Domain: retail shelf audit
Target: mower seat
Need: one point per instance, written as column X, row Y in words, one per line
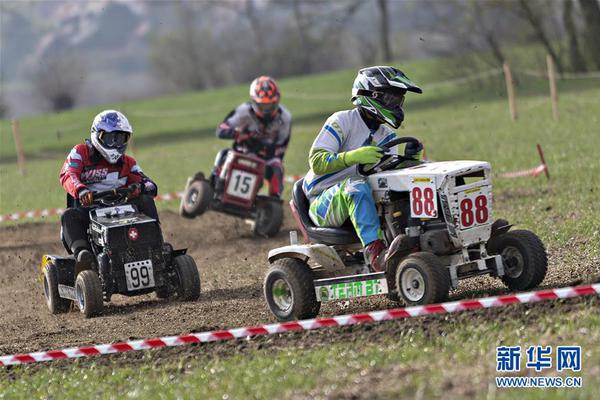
column 330, row 236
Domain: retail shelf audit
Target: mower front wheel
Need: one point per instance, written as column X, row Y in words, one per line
column 88, row 291
column 196, row 199
column 188, row 278
column 421, row 278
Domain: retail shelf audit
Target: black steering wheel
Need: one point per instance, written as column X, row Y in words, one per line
column 115, row 196
column 388, row 161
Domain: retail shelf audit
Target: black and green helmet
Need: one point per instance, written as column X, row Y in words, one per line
column 380, row 92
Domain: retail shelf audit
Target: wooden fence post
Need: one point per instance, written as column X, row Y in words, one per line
column 552, row 80
column 512, row 102
column 16, row 128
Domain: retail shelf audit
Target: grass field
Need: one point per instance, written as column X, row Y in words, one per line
column 454, row 358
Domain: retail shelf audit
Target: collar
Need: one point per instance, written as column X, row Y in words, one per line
column 371, row 122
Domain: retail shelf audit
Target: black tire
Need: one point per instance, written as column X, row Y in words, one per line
column 196, row 199
column 421, row 278
column 163, row 292
column 269, row 218
column 390, row 275
column 524, row 257
column 88, row 291
column 188, row 279
column 55, row 303
column 296, row 278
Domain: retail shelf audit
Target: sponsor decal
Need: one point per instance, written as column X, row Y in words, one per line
column 133, row 234
column 421, row 179
column 382, row 183
column 348, row 290
column 94, row 175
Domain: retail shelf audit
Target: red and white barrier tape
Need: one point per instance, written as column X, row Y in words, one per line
column 31, row 214
column 304, row 325
column 543, row 167
column 526, row 172
column 58, row 211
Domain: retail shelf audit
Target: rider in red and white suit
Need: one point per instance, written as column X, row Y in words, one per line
column 97, row 165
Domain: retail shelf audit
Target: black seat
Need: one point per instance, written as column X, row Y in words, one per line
column 329, row 236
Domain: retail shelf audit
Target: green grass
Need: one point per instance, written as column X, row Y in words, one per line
column 408, row 364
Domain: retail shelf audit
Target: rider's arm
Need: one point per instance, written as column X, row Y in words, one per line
column 235, row 119
column 325, row 156
column 136, row 175
column 70, row 173
column 323, row 162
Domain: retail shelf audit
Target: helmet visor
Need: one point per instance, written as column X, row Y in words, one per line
column 390, row 101
column 114, row 140
column 265, row 108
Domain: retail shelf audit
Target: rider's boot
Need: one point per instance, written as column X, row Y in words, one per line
column 375, row 252
column 84, row 260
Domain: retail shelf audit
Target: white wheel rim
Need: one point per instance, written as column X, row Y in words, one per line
column 80, row 297
column 193, row 196
column 282, row 295
column 412, row 284
column 513, row 261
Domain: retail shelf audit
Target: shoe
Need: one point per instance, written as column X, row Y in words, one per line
column 375, row 253
column 85, row 259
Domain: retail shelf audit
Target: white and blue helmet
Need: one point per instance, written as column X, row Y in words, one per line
column 110, row 133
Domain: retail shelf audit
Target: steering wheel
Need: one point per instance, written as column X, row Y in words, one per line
column 388, row 161
column 115, row 196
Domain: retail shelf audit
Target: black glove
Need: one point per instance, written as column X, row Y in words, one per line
column 412, row 150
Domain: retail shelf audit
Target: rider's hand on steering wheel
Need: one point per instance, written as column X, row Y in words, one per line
column 363, row 155
column 136, row 190
column 86, row 198
column 413, row 150
column 243, row 135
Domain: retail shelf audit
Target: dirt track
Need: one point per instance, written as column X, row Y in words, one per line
column 232, row 264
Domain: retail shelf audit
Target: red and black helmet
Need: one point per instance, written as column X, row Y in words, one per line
column 264, row 95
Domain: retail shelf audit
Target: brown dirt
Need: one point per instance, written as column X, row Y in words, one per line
column 232, row 264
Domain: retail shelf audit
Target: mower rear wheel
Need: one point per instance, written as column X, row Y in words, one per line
column 524, row 257
column 55, row 303
column 269, row 217
column 289, row 290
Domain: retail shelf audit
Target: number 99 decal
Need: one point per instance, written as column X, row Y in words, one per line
column 474, row 208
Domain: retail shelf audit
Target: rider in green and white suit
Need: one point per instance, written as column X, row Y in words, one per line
column 333, row 186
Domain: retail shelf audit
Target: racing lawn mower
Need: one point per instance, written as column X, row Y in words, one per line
column 234, row 191
column 131, row 259
column 436, row 221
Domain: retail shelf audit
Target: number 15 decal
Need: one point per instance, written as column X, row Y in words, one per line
column 423, row 198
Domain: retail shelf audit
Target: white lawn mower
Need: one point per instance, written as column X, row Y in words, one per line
column 437, row 223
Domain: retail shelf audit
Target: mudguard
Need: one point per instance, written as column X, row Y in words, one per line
column 321, row 254
column 64, row 267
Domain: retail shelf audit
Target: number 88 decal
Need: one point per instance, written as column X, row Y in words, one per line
column 423, row 202
column 468, row 216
